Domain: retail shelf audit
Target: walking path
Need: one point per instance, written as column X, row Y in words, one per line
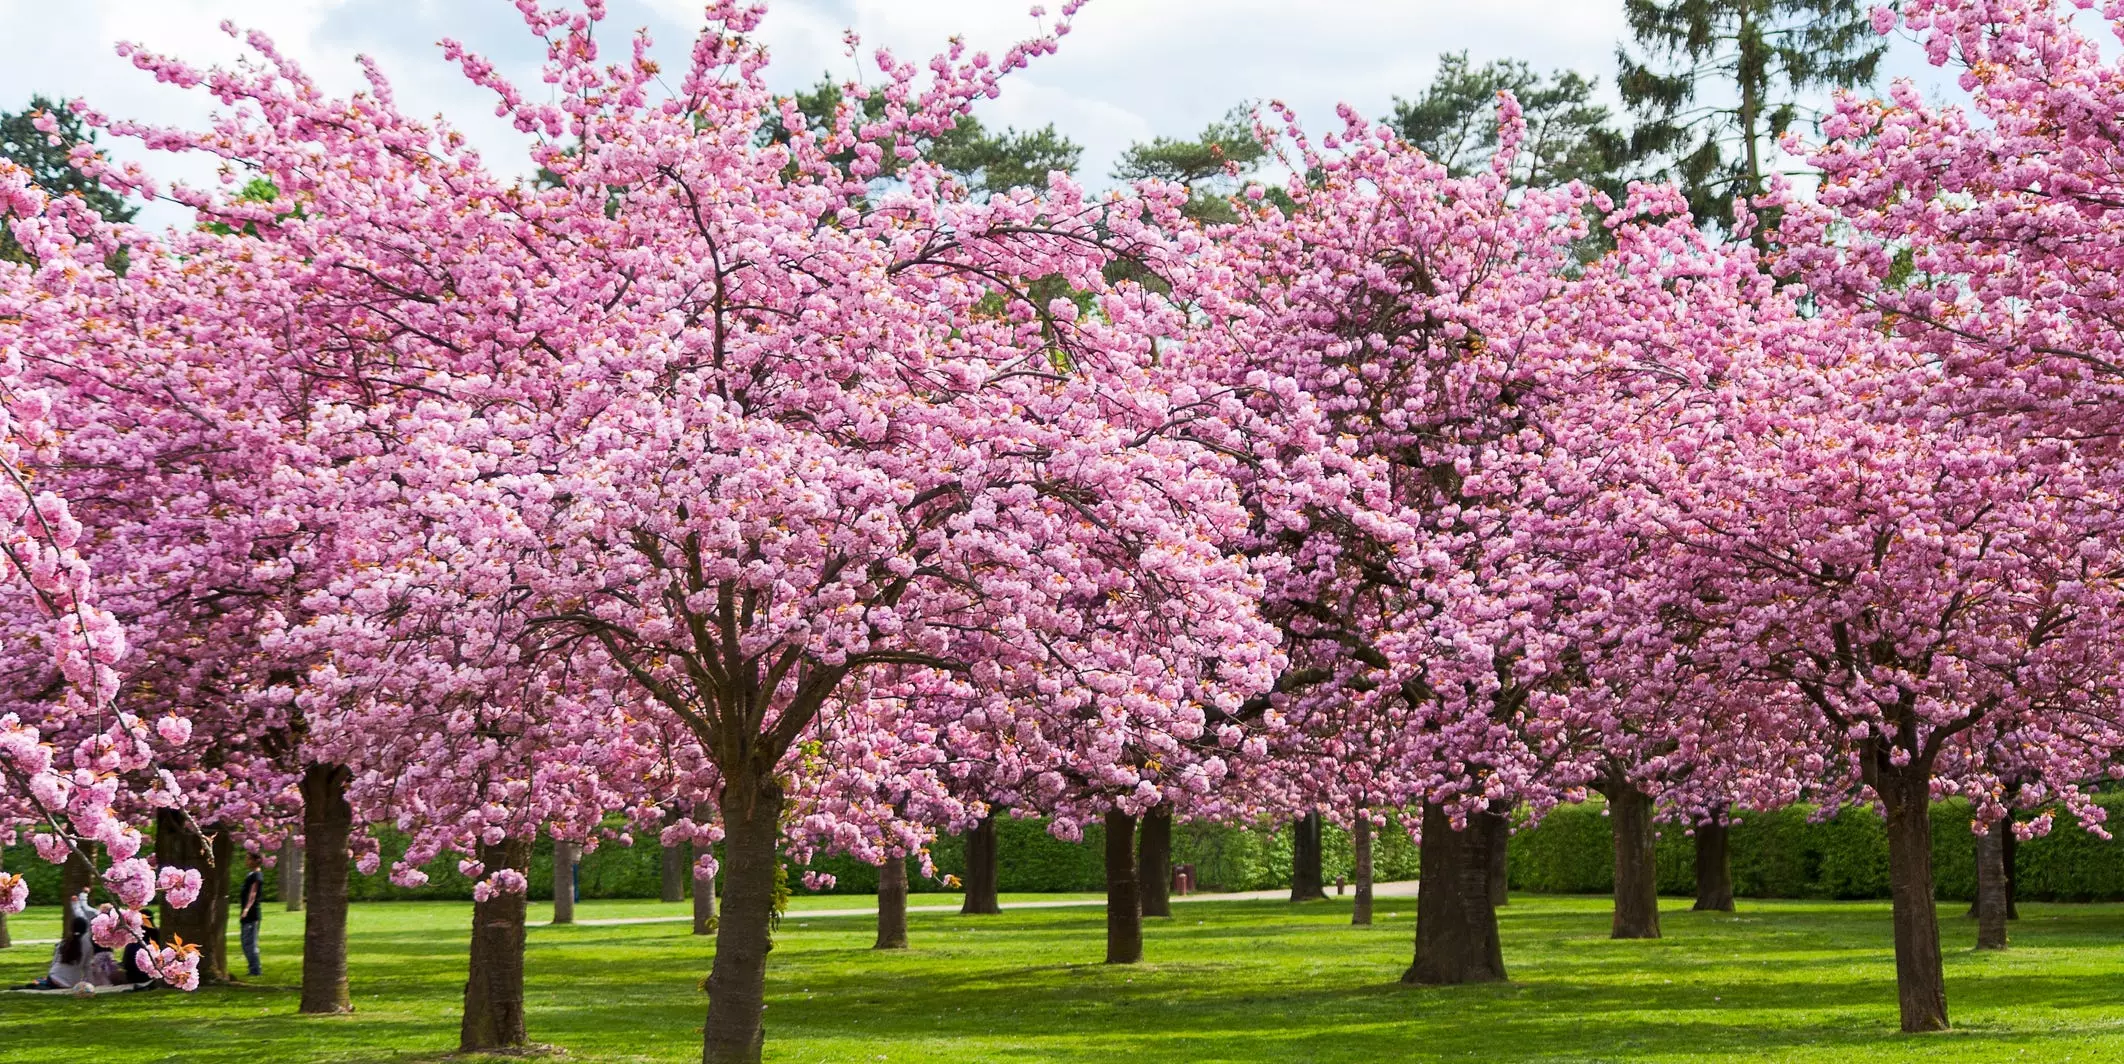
column 1402, row 889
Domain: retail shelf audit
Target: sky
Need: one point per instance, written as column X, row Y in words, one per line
column 1132, row 69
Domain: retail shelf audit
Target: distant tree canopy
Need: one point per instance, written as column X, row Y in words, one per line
column 988, row 162
column 1211, row 166
column 50, row 169
column 1569, row 136
column 1714, row 83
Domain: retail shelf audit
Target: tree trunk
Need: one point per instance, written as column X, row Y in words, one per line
column 2009, row 845
column 564, row 857
column 981, row 868
column 1456, row 924
column 494, row 982
column 326, row 821
column 672, row 883
column 1919, row 977
column 1307, row 881
column 291, row 862
column 1714, row 865
column 1361, row 842
column 5, row 941
column 1636, row 876
column 892, row 904
column 703, row 885
column 77, row 874
column 1498, row 821
column 1124, row 904
column 1154, row 861
column 1991, row 886
column 737, row 984
column 205, row 922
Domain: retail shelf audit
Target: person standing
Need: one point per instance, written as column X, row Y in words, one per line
column 252, row 911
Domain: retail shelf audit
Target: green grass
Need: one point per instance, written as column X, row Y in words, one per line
column 1226, row 981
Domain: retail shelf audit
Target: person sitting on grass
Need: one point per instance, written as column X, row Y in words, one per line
column 70, row 958
column 129, row 962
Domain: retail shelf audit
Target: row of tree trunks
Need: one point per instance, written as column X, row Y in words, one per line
column 565, row 854
column 751, row 804
column 1124, row 902
column 1308, row 882
column 494, row 979
column 1636, row 874
column 1714, row 865
column 205, row 922
column 1361, row 842
column 1456, row 912
column 892, row 904
column 290, row 867
column 326, row 821
column 981, row 871
column 1154, row 861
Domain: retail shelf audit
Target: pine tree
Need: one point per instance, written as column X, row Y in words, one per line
column 1570, row 137
column 987, row 162
column 1211, row 166
column 23, row 144
column 1714, row 83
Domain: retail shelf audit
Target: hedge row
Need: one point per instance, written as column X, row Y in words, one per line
column 1782, row 854
column 1790, row 854
column 1033, row 862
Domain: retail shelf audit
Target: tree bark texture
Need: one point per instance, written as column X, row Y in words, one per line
column 737, row 984
column 1498, row 822
column 703, row 883
column 1456, row 922
column 1636, row 876
column 892, row 904
column 75, row 876
column 326, row 821
column 1361, row 842
column 494, row 982
column 1154, row 861
column 1991, row 886
column 1307, row 881
column 565, row 854
column 2008, row 847
column 671, row 883
column 205, row 922
column 291, row 862
column 1920, row 979
column 981, row 871
column 1124, row 904
column 1714, row 866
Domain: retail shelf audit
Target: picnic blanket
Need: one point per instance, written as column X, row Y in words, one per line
column 119, row 988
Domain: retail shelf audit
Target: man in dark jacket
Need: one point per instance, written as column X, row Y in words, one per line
column 252, row 911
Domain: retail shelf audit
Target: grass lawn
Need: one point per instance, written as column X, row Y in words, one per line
column 1226, row 981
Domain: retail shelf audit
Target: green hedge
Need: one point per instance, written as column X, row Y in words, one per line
column 1787, row 854
column 1032, row 861
column 1781, row 854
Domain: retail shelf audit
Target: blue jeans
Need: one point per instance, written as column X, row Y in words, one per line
column 250, row 944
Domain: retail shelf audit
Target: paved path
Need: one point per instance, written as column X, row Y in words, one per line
column 1403, row 889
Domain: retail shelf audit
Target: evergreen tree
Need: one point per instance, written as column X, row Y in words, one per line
column 1211, row 166
column 23, row 144
column 1569, row 136
column 1714, row 83
column 988, row 162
